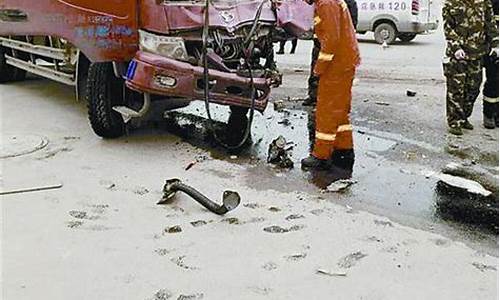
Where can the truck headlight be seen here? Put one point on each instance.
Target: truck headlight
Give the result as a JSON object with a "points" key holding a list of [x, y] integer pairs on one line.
{"points": [[167, 46]]}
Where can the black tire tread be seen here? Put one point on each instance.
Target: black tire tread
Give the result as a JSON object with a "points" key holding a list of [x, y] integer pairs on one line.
{"points": [[104, 120], [6, 71]]}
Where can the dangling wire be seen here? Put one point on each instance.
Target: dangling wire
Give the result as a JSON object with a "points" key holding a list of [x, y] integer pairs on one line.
{"points": [[247, 56]]}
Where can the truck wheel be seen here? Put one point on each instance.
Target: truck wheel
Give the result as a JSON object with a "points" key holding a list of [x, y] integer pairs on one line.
{"points": [[407, 37], [385, 32], [104, 91], [7, 72]]}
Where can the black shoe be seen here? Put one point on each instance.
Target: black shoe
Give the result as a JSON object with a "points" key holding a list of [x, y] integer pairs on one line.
{"points": [[314, 163], [467, 125], [343, 159], [489, 123], [496, 121], [455, 129], [309, 102]]}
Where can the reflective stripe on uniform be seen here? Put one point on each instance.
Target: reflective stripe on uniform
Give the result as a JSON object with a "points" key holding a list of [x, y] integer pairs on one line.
{"points": [[343, 5], [317, 20], [490, 100], [496, 18], [346, 127], [325, 56], [325, 136]]}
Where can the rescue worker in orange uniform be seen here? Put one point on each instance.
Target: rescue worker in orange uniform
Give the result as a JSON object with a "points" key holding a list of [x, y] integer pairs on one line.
{"points": [[337, 61]]}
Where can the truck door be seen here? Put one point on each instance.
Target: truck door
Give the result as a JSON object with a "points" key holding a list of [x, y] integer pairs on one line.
{"points": [[102, 30]]}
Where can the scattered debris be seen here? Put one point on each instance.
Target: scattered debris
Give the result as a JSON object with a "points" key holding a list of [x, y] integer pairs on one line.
{"points": [[482, 267], [233, 157], [411, 93], [294, 217], [111, 186], [78, 214], [466, 201], [162, 294], [278, 153], [330, 273], [198, 223], [279, 229], [340, 185], [190, 297], [468, 185], [279, 105], [274, 209], [487, 178], [32, 189], [173, 229], [285, 122], [199, 158], [382, 103], [234, 221], [75, 224], [350, 260], [296, 257], [230, 199]]}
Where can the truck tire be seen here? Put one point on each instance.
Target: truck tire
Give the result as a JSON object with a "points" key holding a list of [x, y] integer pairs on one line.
{"points": [[104, 91], [407, 37], [385, 32], [9, 73]]}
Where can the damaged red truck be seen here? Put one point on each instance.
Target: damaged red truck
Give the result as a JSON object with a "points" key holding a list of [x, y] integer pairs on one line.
{"points": [[117, 50]]}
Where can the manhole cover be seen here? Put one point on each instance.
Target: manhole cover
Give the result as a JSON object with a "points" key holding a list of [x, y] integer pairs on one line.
{"points": [[18, 145]]}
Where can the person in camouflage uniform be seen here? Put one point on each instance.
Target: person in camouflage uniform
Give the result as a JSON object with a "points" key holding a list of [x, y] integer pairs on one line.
{"points": [[471, 33], [313, 80], [490, 90]]}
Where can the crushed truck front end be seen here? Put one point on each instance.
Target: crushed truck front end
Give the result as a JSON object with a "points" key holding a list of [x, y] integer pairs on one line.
{"points": [[169, 60]]}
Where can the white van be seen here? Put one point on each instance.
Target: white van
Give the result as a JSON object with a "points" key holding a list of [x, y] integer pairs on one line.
{"points": [[391, 19]]}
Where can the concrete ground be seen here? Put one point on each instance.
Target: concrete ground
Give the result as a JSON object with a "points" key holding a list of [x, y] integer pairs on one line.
{"points": [[102, 236]]}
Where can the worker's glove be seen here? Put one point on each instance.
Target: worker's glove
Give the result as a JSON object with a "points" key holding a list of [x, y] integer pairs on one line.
{"points": [[494, 53], [460, 54]]}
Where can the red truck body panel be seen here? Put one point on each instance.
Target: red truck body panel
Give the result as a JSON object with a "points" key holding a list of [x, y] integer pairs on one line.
{"points": [[103, 30]]}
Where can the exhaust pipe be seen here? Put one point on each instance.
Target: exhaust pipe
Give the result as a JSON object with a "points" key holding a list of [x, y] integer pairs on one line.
{"points": [[230, 199]]}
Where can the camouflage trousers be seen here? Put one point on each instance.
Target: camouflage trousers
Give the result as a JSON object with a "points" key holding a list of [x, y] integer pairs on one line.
{"points": [[313, 80], [463, 83]]}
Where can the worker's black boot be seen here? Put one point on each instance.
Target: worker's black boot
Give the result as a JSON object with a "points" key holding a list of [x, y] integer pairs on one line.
{"points": [[313, 163], [455, 129], [343, 159], [467, 125], [309, 102]]}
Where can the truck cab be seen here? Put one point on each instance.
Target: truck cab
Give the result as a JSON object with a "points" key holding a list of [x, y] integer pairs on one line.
{"points": [[122, 54]]}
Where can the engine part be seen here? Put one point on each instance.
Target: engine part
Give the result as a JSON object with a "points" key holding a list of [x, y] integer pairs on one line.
{"points": [[230, 199]]}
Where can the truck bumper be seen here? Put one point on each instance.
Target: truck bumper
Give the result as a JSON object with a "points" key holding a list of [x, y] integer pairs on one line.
{"points": [[418, 27], [156, 74]]}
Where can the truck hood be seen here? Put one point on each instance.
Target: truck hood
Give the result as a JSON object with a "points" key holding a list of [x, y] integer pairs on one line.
{"points": [[223, 14], [170, 16]]}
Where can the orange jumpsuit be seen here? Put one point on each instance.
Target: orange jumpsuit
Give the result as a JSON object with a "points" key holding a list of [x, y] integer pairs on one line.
{"points": [[335, 67]]}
